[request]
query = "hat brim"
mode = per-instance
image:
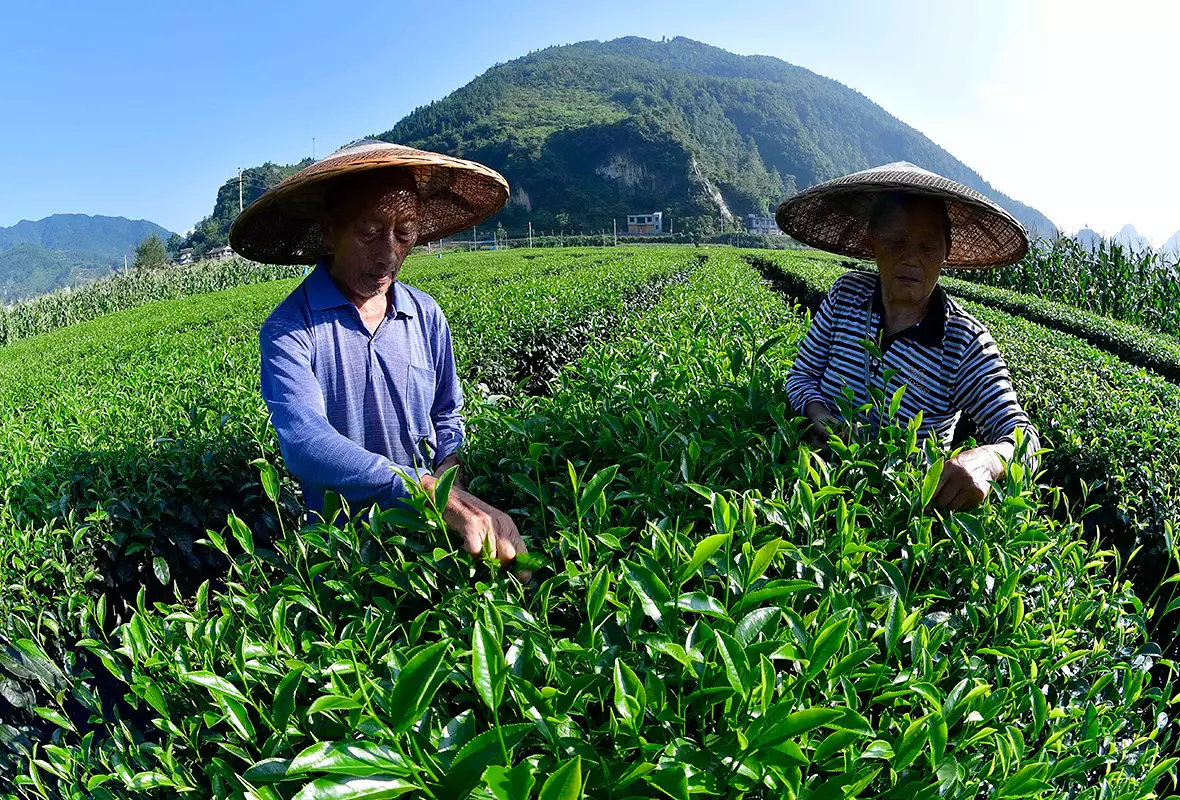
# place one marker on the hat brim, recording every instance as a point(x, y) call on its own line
point(282, 226)
point(834, 216)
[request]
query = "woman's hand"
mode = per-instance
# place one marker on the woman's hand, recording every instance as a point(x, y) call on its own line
point(824, 425)
point(967, 478)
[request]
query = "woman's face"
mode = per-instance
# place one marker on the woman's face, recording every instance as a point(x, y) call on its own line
point(909, 243)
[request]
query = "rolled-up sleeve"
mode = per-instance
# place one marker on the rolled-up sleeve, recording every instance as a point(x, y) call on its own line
point(802, 385)
point(315, 452)
point(447, 412)
point(984, 390)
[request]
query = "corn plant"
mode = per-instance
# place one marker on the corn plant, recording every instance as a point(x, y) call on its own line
point(1107, 279)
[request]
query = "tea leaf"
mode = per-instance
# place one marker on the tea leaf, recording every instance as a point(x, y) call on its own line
point(217, 685)
point(930, 483)
point(487, 665)
point(1028, 781)
point(415, 686)
point(376, 787)
point(630, 696)
point(565, 782)
point(593, 491)
point(701, 603)
point(515, 783)
point(652, 592)
point(737, 668)
point(703, 551)
point(350, 758)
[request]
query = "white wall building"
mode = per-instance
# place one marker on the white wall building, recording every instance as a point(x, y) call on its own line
point(763, 225)
point(646, 223)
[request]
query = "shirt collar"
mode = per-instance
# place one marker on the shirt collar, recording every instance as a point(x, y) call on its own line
point(931, 330)
point(323, 293)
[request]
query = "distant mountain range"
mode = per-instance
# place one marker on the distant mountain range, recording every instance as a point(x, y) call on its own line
point(63, 249)
point(591, 132)
point(1171, 247)
point(1130, 239)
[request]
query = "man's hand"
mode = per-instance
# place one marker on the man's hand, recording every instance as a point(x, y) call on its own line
point(451, 461)
point(966, 478)
point(823, 425)
point(477, 522)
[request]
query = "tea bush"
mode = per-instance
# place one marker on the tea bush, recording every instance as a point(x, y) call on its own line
point(1135, 344)
point(716, 610)
point(130, 435)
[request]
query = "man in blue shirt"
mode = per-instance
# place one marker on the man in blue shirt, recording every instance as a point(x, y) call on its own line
point(358, 370)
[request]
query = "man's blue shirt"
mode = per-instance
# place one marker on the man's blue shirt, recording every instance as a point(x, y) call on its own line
point(351, 408)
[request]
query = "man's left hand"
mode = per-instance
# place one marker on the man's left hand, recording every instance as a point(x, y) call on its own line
point(966, 479)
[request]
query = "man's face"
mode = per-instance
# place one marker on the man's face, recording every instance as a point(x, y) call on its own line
point(370, 233)
point(909, 244)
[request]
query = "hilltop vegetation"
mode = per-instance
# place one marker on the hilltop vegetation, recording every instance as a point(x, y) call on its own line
point(597, 130)
point(213, 230)
point(717, 608)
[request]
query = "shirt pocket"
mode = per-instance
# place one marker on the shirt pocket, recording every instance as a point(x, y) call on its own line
point(420, 383)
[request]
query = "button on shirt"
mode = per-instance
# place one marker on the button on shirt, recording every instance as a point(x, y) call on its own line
point(353, 409)
point(948, 363)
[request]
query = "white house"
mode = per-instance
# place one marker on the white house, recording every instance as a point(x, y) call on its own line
point(763, 225)
point(646, 223)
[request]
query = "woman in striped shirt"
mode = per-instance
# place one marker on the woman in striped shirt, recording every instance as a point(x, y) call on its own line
point(913, 224)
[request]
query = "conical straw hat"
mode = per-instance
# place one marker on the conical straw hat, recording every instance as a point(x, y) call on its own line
point(834, 216)
point(282, 226)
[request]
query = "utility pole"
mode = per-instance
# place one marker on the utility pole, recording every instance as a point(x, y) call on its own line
point(530, 234)
point(313, 148)
point(616, 224)
point(474, 241)
point(239, 190)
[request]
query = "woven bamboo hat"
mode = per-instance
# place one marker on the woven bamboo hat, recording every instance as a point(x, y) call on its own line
point(282, 226)
point(834, 216)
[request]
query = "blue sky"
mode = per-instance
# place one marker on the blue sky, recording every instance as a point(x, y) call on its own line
point(144, 109)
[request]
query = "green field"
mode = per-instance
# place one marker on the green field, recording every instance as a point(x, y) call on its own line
point(716, 609)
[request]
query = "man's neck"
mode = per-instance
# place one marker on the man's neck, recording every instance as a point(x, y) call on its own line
point(378, 304)
point(372, 309)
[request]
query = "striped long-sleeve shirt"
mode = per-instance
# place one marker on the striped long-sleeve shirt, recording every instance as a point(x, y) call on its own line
point(948, 363)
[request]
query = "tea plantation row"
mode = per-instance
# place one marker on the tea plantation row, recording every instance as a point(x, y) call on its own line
point(716, 610)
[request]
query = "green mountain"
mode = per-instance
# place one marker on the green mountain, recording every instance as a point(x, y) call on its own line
point(591, 132)
point(112, 236)
point(64, 249)
point(597, 130)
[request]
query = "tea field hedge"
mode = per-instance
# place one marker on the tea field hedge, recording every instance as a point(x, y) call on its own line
point(130, 289)
point(716, 609)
